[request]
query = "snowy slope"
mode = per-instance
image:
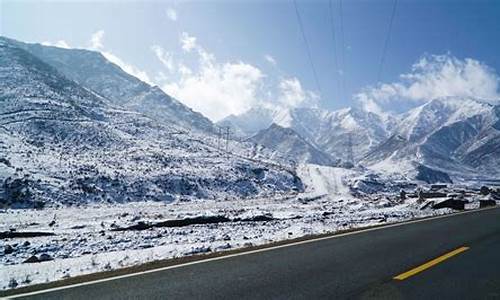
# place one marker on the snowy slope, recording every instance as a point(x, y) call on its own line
point(92, 70)
point(324, 180)
point(288, 143)
point(457, 136)
point(63, 143)
point(331, 131)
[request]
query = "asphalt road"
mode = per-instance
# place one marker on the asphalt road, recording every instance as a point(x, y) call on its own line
point(357, 266)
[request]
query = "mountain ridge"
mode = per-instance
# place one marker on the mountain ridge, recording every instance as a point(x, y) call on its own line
point(290, 144)
point(62, 144)
point(95, 72)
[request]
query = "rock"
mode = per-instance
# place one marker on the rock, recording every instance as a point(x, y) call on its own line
point(26, 243)
point(485, 190)
point(32, 259)
point(45, 257)
point(27, 280)
point(450, 203)
point(224, 247)
point(13, 283)
point(226, 237)
point(431, 175)
point(78, 227)
point(486, 203)
point(8, 249)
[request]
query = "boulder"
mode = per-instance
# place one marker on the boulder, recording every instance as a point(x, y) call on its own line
point(450, 203)
point(8, 249)
point(32, 259)
point(487, 203)
point(485, 190)
point(431, 175)
point(45, 257)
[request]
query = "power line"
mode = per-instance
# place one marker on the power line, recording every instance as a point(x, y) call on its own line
point(299, 20)
point(344, 69)
point(386, 44)
point(334, 47)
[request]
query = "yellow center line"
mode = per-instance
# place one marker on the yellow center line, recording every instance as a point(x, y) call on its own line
point(429, 264)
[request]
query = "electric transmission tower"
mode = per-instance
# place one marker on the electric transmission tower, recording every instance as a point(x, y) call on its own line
point(227, 139)
point(350, 156)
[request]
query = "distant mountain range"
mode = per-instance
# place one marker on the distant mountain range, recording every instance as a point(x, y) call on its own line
point(457, 136)
point(333, 132)
point(285, 141)
point(75, 128)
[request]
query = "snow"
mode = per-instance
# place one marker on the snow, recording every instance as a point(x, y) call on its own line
point(285, 142)
point(85, 242)
point(324, 180)
point(100, 151)
point(64, 145)
point(330, 131)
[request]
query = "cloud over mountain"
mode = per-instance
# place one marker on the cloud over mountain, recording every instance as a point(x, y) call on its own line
point(435, 76)
point(221, 88)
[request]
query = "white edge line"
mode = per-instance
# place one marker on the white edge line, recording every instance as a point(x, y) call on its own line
point(244, 253)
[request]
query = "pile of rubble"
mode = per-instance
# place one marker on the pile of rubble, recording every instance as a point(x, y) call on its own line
point(443, 196)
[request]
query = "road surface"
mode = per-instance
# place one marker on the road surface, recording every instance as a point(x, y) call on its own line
point(446, 258)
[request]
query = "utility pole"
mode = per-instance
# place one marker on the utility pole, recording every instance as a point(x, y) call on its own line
point(218, 136)
point(350, 157)
point(227, 140)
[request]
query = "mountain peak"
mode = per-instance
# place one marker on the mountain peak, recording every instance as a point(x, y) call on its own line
point(288, 143)
point(92, 70)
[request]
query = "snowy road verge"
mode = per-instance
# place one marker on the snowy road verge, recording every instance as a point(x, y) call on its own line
point(85, 242)
point(96, 238)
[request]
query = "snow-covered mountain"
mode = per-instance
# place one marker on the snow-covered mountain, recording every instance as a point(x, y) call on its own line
point(456, 135)
point(286, 142)
point(92, 70)
point(61, 142)
point(333, 132)
point(448, 136)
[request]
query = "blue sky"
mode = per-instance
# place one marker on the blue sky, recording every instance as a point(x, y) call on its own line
point(248, 52)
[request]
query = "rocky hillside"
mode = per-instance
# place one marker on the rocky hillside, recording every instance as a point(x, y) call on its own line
point(93, 71)
point(64, 143)
point(333, 132)
point(457, 136)
point(287, 142)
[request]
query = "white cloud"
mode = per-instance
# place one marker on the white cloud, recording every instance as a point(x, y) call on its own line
point(270, 59)
point(293, 95)
point(60, 44)
point(171, 14)
point(214, 89)
point(218, 89)
point(188, 42)
point(184, 70)
point(96, 40)
point(435, 76)
point(164, 57)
